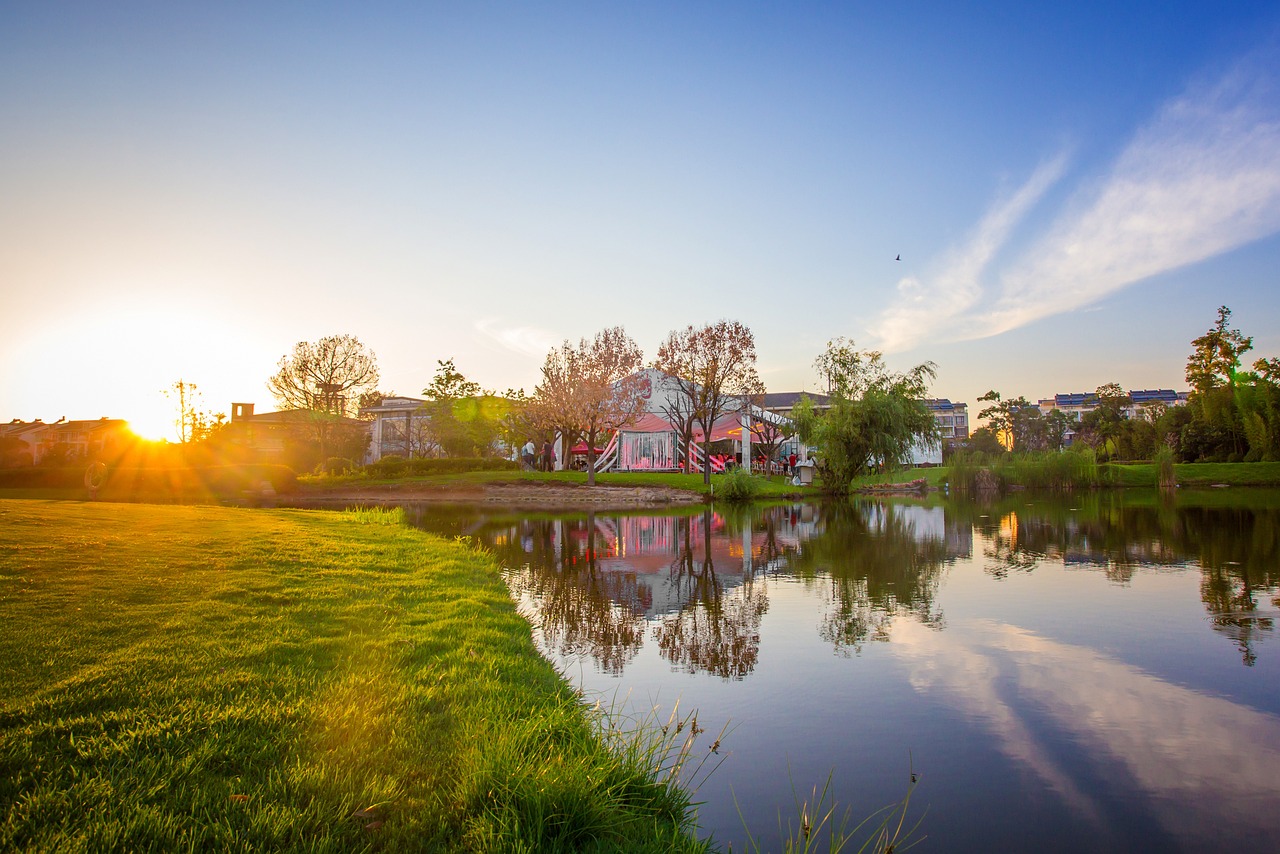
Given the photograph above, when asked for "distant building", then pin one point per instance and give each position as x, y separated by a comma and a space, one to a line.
952, 418
398, 425
275, 437
32, 441
1076, 404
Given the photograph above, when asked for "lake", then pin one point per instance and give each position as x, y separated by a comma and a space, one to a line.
1098, 672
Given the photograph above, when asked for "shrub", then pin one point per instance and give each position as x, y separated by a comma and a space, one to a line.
1165, 476
397, 466
338, 465
738, 484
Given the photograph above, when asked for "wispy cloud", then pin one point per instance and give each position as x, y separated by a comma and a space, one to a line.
1202, 178
925, 309
526, 340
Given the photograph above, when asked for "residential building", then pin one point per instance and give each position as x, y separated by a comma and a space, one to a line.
952, 418
95, 439
1140, 402
278, 437
398, 425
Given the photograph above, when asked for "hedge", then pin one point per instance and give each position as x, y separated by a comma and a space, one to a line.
397, 466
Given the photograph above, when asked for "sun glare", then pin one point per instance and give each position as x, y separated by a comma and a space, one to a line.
152, 426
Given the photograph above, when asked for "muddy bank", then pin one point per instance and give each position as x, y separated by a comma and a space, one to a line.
524, 494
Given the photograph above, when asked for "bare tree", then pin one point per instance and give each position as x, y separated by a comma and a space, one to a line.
768, 431
679, 412
324, 379
591, 389
714, 368
193, 423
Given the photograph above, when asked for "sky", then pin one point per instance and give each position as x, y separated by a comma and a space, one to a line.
187, 190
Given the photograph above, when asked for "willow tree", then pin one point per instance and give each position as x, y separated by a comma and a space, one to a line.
875, 418
714, 369
591, 389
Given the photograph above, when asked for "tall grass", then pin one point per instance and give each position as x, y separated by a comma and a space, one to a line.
818, 827
1053, 470
1165, 475
738, 484
392, 516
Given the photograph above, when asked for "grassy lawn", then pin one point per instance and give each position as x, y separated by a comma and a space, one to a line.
776, 486
176, 677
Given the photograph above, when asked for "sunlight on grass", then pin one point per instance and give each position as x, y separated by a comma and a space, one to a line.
214, 678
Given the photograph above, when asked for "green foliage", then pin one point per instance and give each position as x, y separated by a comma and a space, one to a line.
877, 429
818, 827
463, 420
1163, 460
1076, 468
165, 483
293, 681
389, 516
394, 465
339, 465
738, 484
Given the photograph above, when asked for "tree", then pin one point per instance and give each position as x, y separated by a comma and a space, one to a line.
463, 420
1218, 432
876, 415
1056, 426
1215, 356
193, 423
323, 379
1101, 426
1018, 422
591, 389
766, 432
985, 441
368, 400
714, 369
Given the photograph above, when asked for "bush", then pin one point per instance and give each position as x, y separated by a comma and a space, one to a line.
394, 465
738, 484
338, 465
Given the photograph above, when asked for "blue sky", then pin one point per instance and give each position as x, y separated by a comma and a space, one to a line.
186, 191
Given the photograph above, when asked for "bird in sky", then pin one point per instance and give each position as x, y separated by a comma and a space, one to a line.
899, 258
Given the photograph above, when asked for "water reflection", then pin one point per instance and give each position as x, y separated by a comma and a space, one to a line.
1235, 546
1196, 761
1062, 670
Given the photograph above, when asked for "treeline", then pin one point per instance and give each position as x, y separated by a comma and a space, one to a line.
1232, 414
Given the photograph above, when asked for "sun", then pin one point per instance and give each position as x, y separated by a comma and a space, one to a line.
154, 423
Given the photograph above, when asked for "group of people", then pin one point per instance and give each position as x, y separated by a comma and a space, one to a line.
535, 460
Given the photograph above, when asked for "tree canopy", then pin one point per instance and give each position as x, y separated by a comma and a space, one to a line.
876, 415
714, 369
591, 389
324, 379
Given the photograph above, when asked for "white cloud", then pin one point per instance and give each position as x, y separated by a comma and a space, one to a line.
526, 340
1202, 178
926, 310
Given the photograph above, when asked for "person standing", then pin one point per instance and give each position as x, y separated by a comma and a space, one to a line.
548, 456
527, 454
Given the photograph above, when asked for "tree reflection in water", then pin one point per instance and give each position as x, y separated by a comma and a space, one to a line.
879, 563
580, 608
714, 630
697, 582
1235, 546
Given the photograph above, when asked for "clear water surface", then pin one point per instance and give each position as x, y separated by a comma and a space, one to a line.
1094, 673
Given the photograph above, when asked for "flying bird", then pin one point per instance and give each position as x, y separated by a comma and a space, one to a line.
899, 258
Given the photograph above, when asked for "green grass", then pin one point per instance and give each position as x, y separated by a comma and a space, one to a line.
178, 678
777, 486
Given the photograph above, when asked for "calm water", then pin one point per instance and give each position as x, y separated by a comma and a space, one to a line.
1096, 673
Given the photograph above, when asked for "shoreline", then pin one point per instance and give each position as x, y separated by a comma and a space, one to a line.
520, 494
